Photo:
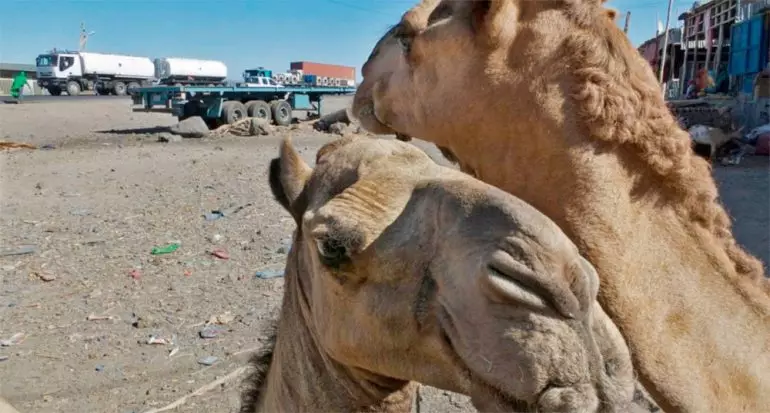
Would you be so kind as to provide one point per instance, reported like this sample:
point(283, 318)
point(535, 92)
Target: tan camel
point(549, 101)
point(402, 270)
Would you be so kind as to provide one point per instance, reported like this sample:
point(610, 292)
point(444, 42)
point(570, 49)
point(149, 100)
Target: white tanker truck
point(73, 72)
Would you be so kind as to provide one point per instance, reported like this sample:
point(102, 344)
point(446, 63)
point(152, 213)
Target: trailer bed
point(223, 105)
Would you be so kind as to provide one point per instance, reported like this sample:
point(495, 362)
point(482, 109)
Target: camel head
point(414, 271)
point(471, 70)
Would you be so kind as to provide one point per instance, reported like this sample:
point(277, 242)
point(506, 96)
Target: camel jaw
point(366, 113)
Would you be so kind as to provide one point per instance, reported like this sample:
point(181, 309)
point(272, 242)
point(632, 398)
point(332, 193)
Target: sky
point(242, 33)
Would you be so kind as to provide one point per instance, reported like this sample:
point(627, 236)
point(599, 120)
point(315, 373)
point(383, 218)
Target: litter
point(5, 145)
point(135, 274)
point(221, 213)
point(80, 212)
point(14, 340)
point(166, 249)
point(222, 319)
point(266, 274)
point(21, 250)
point(157, 340)
point(45, 276)
point(220, 253)
point(211, 331)
point(100, 367)
point(4, 358)
point(208, 360)
point(93, 317)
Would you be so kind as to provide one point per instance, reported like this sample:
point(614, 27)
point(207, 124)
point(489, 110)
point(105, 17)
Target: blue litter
point(208, 360)
point(269, 274)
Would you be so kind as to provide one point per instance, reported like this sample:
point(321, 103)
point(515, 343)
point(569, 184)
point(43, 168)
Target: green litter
point(166, 249)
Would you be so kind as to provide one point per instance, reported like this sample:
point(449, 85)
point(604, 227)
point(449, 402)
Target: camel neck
point(301, 378)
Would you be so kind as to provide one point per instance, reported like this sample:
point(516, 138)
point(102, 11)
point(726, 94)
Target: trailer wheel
point(259, 109)
point(54, 91)
point(73, 88)
point(281, 112)
point(119, 88)
point(233, 111)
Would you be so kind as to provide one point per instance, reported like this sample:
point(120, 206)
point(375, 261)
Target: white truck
point(74, 72)
point(176, 71)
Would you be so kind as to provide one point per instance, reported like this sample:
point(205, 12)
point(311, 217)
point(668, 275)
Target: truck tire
point(233, 111)
point(131, 86)
point(54, 91)
point(73, 88)
point(281, 112)
point(119, 88)
point(259, 109)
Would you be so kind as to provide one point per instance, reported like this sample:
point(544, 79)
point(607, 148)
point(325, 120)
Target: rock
point(192, 127)
point(338, 128)
point(260, 127)
point(168, 137)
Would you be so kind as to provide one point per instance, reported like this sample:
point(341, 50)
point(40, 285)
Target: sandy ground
point(91, 295)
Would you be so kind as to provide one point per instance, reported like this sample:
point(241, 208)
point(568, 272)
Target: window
point(66, 62)
point(45, 61)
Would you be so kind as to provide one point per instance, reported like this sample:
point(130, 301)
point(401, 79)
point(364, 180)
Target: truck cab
point(57, 72)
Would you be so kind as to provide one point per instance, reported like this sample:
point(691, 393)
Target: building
point(652, 51)
point(707, 39)
point(9, 70)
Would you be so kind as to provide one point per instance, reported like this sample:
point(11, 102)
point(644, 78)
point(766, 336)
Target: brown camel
point(402, 270)
point(549, 101)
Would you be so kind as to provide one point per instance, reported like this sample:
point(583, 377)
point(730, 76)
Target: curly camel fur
point(549, 101)
point(403, 271)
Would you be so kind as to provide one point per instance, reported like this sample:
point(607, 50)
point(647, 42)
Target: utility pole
point(665, 44)
point(628, 19)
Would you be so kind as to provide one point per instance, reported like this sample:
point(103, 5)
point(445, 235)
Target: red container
point(323, 69)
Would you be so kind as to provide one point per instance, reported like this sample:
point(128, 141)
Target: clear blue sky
point(242, 33)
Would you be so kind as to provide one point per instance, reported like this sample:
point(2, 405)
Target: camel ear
point(612, 14)
point(288, 176)
point(495, 19)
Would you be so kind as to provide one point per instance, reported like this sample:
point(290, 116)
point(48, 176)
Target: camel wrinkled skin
point(549, 101)
point(404, 271)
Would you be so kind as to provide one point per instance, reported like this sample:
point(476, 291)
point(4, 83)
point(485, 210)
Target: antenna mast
point(84, 35)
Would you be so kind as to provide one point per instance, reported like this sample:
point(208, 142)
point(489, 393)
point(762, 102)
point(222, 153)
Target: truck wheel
point(259, 109)
point(73, 88)
point(281, 112)
point(119, 88)
point(233, 111)
point(132, 85)
point(54, 91)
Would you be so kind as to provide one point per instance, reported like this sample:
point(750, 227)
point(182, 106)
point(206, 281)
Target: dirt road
point(91, 295)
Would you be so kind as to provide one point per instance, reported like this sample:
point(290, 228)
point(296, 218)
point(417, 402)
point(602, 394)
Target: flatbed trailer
point(229, 104)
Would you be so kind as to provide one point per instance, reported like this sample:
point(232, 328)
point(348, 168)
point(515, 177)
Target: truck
point(256, 97)
point(74, 72)
point(181, 71)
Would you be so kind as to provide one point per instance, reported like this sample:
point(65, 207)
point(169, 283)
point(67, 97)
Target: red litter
point(220, 253)
point(135, 274)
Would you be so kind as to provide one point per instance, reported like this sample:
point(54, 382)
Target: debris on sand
point(14, 340)
point(221, 213)
point(211, 331)
point(208, 360)
point(221, 319)
point(45, 276)
point(267, 274)
point(5, 145)
point(20, 250)
point(93, 317)
point(166, 249)
point(158, 340)
point(220, 253)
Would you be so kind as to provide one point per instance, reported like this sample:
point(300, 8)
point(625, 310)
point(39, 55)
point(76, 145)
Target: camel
point(549, 101)
point(404, 271)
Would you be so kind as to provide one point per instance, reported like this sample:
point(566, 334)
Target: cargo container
point(325, 70)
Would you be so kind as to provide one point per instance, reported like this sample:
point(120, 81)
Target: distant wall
point(31, 89)
point(333, 103)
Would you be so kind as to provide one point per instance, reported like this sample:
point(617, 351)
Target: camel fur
point(404, 271)
point(549, 101)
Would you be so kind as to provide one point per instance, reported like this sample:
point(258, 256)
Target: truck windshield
point(45, 60)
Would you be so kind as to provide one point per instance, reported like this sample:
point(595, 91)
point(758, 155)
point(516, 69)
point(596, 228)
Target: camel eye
point(331, 252)
point(405, 41)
